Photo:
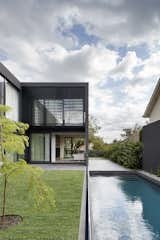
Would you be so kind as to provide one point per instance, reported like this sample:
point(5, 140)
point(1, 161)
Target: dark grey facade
point(151, 147)
point(57, 114)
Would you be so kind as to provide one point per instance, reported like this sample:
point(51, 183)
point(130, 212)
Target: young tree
point(12, 135)
point(14, 141)
point(97, 141)
point(77, 144)
point(132, 134)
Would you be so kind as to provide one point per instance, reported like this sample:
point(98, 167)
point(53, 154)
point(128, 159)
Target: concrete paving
point(95, 164)
point(60, 166)
point(99, 164)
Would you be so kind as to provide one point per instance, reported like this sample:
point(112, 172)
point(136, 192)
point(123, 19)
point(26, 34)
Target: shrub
point(126, 154)
point(96, 153)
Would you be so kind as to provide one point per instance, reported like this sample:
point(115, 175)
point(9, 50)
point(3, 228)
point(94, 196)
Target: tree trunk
point(4, 197)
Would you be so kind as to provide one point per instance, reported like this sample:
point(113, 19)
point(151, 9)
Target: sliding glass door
point(67, 147)
point(40, 147)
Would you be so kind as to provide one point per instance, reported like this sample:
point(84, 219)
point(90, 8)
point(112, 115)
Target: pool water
point(124, 208)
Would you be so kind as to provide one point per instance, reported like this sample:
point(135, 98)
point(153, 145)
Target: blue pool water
point(125, 208)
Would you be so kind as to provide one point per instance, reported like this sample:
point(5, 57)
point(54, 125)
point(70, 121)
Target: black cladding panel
point(53, 92)
point(151, 147)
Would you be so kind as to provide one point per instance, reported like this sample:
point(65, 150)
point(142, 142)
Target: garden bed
point(9, 220)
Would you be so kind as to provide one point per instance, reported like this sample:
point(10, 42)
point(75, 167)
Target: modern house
point(57, 114)
point(151, 133)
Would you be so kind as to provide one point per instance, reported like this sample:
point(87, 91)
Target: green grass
point(42, 224)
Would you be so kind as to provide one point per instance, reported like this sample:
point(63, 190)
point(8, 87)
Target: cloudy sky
point(112, 44)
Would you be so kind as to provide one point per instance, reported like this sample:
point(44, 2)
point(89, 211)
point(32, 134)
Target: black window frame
point(64, 107)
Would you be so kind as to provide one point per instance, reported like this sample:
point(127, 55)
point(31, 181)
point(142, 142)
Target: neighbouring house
point(56, 112)
point(151, 133)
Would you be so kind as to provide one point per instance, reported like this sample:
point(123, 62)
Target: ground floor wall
point(53, 147)
point(151, 147)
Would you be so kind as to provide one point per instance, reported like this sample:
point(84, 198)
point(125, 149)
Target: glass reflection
point(58, 112)
point(123, 209)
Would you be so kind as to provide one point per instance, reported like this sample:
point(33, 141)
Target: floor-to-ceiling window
point(1, 90)
point(74, 147)
point(67, 147)
point(12, 100)
point(40, 147)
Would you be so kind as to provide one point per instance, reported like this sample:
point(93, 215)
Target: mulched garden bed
point(9, 220)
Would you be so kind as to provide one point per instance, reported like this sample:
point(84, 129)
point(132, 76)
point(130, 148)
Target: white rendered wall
point(53, 148)
point(12, 100)
point(155, 114)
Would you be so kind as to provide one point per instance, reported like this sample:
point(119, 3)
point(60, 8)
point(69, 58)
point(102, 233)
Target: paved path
point(95, 164)
point(60, 166)
point(98, 164)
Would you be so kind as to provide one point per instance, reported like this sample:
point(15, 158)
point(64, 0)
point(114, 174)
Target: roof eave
point(152, 101)
point(9, 76)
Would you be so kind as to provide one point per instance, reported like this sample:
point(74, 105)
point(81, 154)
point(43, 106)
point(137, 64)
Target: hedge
point(127, 154)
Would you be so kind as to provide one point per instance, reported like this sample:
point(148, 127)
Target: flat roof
point(54, 84)
point(9, 76)
point(153, 100)
point(14, 81)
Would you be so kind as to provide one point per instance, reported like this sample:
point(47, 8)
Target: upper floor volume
point(54, 104)
point(44, 104)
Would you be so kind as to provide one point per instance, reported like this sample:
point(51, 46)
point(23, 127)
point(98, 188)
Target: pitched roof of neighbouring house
point(153, 100)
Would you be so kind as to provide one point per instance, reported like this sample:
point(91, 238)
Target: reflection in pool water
point(125, 208)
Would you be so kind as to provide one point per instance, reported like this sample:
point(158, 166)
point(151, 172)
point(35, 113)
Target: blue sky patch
point(142, 50)
point(83, 37)
point(79, 31)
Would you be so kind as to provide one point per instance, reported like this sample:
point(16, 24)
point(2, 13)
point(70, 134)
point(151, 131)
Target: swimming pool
point(124, 208)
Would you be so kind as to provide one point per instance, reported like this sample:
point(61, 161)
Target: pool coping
point(82, 223)
point(148, 176)
point(90, 216)
point(109, 173)
point(145, 175)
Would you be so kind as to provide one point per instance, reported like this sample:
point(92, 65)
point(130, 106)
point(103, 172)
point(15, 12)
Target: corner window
point(12, 100)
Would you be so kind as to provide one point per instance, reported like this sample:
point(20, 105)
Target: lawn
point(42, 224)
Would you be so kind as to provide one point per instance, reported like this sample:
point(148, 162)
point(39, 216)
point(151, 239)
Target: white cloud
point(125, 68)
point(32, 35)
point(151, 66)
